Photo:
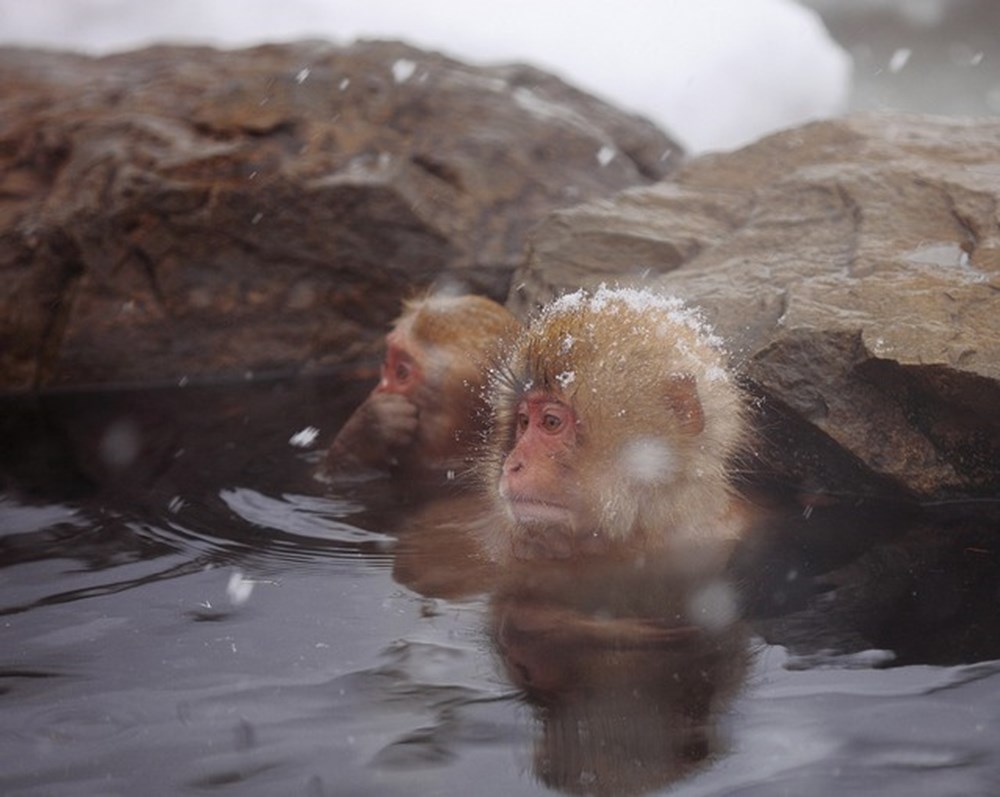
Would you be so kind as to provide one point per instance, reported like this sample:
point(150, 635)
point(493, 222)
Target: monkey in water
point(614, 423)
point(426, 414)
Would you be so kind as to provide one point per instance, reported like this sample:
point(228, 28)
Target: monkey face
point(536, 480)
point(613, 423)
point(545, 482)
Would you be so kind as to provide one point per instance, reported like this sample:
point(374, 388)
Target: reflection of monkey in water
point(627, 662)
point(615, 421)
point(426, 414)
point(627, 667)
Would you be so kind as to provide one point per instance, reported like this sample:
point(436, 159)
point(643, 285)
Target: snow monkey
point(427, 413)
point(614, 425)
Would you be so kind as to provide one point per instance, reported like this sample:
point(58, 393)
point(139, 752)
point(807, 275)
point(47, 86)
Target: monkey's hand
point(392, 419)
point(382, 427)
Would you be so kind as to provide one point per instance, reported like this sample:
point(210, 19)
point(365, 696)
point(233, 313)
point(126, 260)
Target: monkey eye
point(522, 422)
point(403, 371)
point(551, 423)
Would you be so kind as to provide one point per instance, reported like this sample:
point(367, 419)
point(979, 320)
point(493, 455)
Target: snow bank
point(716, 74)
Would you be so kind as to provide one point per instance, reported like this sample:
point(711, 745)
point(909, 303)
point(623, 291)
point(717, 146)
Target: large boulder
point(854, 265)
point(180, 212)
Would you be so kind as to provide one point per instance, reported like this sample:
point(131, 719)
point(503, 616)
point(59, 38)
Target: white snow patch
point(648, 460)
point(304, 438)
point(605, 155)
point(565, 379)
point(899, 59)
point(716, 373)
point(641, 300)
point(403, 70)
point(238, 588)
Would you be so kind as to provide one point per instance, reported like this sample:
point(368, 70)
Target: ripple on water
point(420, 706)
point(316, 517)
point(899, 682)
point(263, 531)
point(307, 527)
point(18, 518)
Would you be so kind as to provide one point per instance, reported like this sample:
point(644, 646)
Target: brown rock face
point(855, 267)
point(188, 212)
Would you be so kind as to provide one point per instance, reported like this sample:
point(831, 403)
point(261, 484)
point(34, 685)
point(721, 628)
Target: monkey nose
point(513, 465)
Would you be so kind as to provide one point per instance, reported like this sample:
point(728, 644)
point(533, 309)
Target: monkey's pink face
point(537, 483)
point(401, 372)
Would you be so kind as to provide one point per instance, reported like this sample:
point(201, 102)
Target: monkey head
point(614, 423)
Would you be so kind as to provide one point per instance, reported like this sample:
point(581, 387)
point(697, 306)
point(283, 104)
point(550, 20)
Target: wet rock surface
point(854, 266)
point(179, 213)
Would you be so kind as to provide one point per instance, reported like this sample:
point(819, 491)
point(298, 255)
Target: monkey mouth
point(534, 511)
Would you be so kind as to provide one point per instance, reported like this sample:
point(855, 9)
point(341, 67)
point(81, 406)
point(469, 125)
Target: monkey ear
point(681, 393)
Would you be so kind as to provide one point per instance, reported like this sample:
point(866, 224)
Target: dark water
point(185, 610)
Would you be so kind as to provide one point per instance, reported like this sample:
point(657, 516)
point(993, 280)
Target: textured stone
point(190, 212)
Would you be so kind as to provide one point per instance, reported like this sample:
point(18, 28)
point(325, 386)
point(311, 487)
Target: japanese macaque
point(615, 422)
point(426, 414)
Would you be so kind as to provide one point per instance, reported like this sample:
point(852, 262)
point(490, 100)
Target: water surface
point(184, 609)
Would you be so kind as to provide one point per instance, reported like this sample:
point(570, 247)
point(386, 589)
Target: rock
point(855, 267)
point(181, 212)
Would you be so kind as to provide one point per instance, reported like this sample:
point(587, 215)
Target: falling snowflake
point(304, 438)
